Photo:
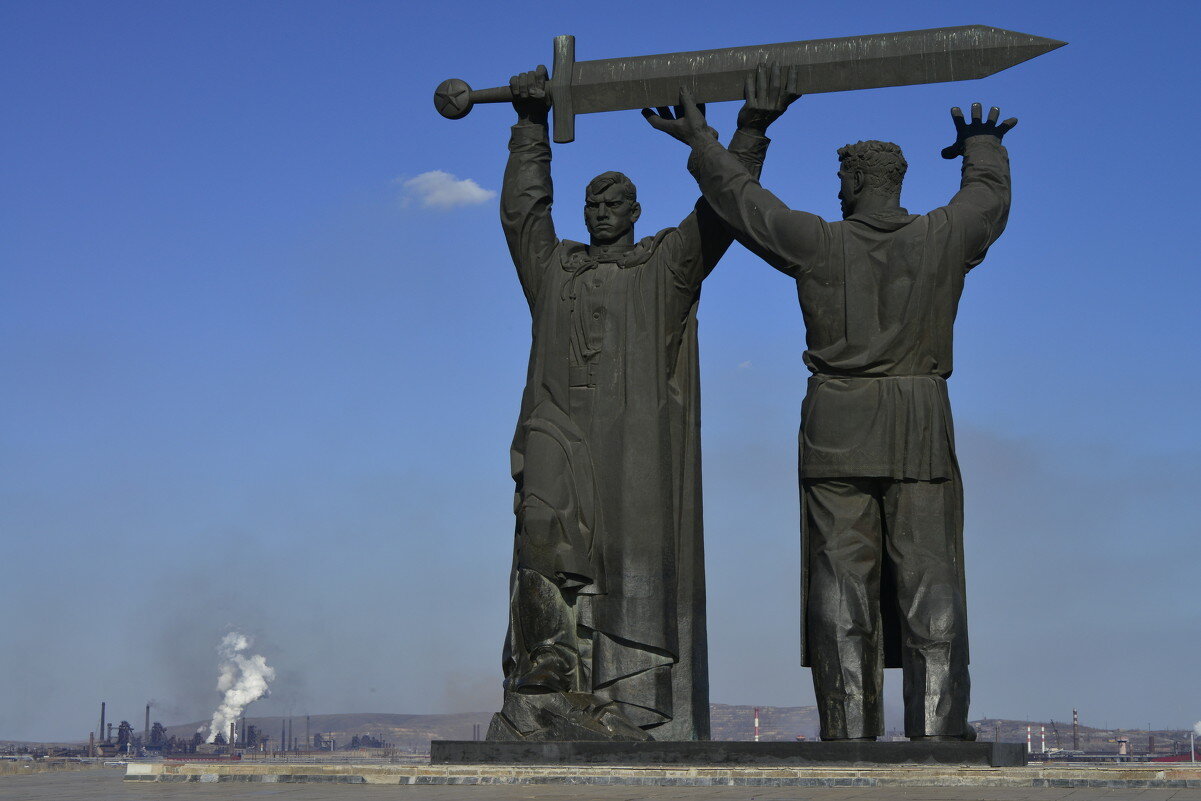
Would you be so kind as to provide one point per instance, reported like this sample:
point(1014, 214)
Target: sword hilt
point(454, 99)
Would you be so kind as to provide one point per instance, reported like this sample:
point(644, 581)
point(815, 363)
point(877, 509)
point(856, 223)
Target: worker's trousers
point(883, 570)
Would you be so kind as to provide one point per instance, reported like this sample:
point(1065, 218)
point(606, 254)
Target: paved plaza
point(108, 785)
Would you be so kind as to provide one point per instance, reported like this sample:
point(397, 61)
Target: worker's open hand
point(769, 93)
point(687, 123)
point(529, 95)
point(977, 127)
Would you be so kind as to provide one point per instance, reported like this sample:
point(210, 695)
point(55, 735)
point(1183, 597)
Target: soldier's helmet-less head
point(610, 207)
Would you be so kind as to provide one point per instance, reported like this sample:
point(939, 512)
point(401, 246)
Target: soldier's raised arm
point(526, 195)
point(703, 238)
point(768, 94)
point(980, 208)
point(784, 238)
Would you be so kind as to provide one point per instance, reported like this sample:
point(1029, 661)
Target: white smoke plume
point(1197, 728)
point(243, 679)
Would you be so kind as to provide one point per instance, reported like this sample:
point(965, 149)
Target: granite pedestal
point(726, 753)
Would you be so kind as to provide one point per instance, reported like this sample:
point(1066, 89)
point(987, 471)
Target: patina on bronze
point(606, 636)
point(822, 65)
point(881, 494)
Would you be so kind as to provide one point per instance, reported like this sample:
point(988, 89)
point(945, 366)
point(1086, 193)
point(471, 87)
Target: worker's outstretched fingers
point(957, 118)
point(956, 149)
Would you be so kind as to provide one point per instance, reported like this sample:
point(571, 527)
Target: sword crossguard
point(454, 99)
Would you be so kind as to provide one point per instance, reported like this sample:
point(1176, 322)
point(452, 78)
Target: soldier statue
point(606, 635)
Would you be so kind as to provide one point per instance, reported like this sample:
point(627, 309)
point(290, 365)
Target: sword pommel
point(454, 99)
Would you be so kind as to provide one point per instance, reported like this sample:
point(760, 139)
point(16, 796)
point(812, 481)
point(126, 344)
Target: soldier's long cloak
point(634, 543)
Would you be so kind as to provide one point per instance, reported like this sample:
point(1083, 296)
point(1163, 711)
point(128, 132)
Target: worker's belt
point(826, 376)
point(583, 375)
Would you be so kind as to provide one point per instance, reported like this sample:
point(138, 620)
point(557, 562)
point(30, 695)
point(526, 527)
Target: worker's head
point(870, 169)
point(611, 208)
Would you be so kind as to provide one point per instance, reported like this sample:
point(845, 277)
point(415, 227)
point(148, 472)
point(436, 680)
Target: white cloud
point(441, 190)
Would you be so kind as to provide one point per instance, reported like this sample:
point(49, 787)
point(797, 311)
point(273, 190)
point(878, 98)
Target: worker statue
point(881, 497)
point(606, 637)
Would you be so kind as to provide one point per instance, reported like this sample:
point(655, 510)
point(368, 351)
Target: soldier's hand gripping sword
point(528, 90)
point(769, 93)
point(822, 65)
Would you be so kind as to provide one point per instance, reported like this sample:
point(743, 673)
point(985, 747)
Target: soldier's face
point(610, 216)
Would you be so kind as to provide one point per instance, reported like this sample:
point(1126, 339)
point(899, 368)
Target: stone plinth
point(725, 753)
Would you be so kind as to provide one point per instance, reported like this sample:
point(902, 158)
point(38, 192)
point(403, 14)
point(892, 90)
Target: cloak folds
point(606, 456)
point(631, 527)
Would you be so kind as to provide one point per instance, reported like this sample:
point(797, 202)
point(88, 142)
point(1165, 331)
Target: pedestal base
point(726, 753)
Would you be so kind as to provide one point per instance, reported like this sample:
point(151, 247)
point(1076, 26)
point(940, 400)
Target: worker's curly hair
point(606, 179)
point(882, 163)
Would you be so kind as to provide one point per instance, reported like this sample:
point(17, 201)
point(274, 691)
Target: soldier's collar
point(576, 257)
point(610, 252)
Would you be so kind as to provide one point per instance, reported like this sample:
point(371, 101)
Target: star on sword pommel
point(452, 98)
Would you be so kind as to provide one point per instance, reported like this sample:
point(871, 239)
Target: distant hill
point(775, 722)
point(1091, 739)
point(415, 731)
point(729, 722)
point(403, 731)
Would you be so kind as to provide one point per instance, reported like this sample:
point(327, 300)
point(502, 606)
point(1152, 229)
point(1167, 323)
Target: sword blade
point(824, 65)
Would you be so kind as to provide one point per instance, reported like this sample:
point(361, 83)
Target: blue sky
point(252, 381)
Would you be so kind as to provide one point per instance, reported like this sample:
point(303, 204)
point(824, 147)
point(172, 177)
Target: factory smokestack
point(102, 720)
point(146, 734)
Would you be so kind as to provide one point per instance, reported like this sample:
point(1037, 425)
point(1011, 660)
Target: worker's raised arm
point(980, 208)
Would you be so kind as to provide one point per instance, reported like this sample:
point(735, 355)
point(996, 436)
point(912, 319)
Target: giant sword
point(823, 65)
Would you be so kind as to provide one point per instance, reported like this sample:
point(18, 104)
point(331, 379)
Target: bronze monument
point(606, 637)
